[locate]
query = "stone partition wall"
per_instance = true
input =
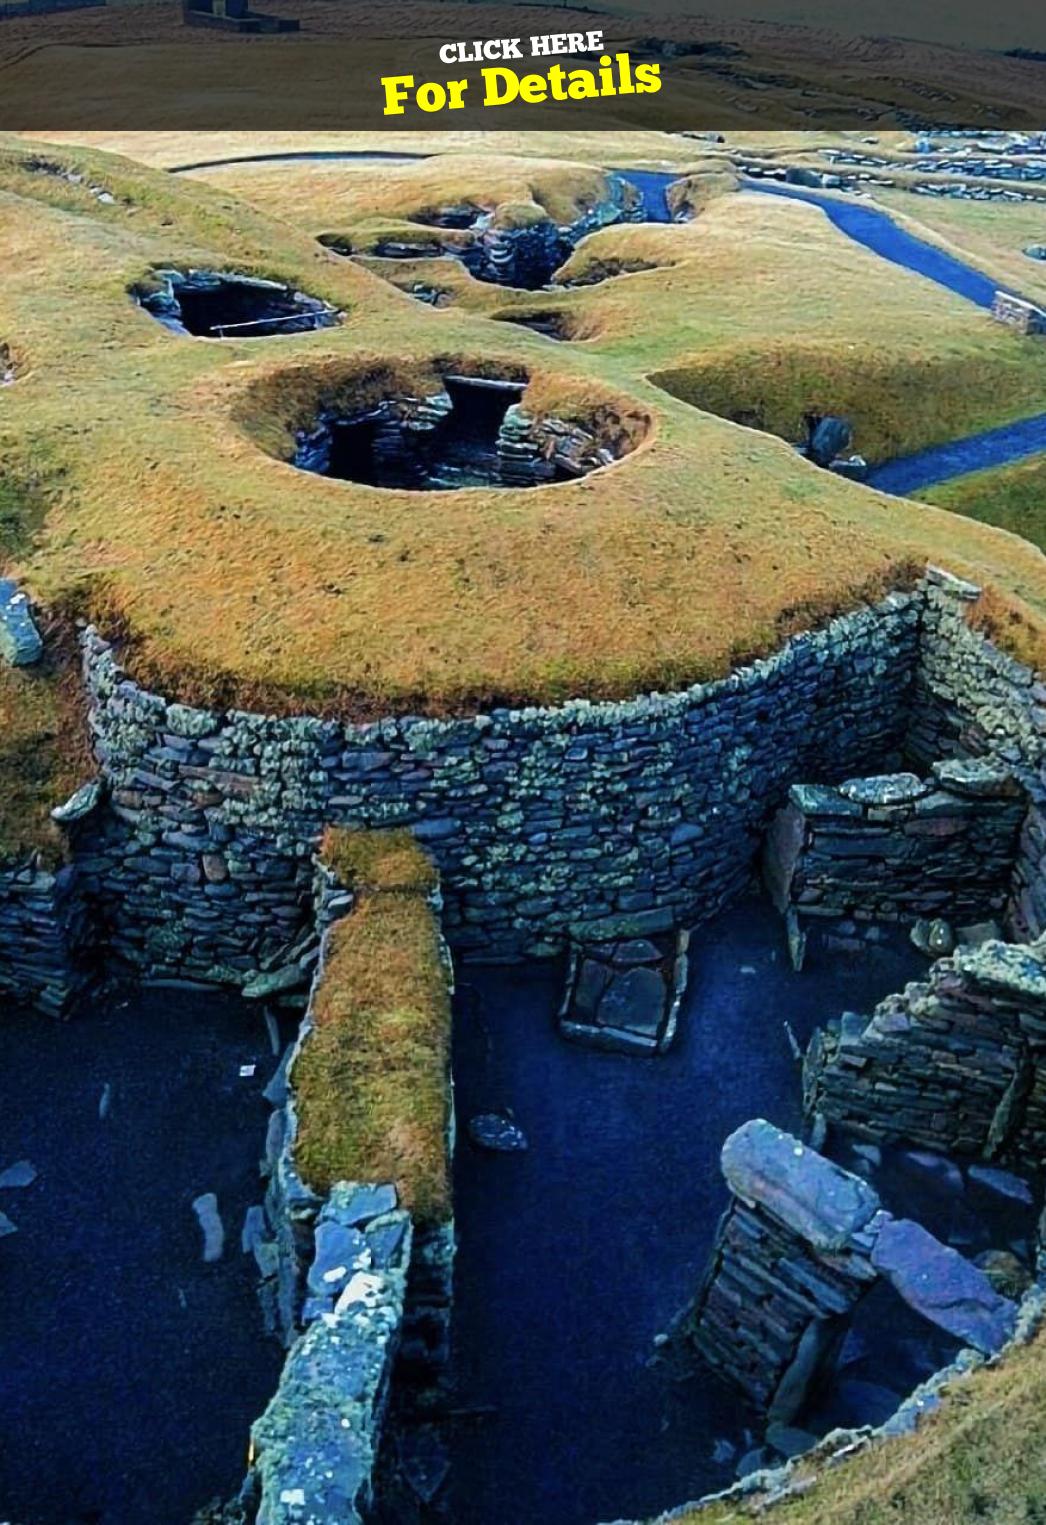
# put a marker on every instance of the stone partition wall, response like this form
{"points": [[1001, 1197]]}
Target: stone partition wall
{"points": [[898, 847], [956, 1064], [359, 1292], [314, 1450], [44, 935], [594, 819], [800, 1243]]}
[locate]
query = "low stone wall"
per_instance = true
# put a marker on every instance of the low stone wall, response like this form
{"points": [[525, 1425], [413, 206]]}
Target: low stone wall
{"points": [[354, 1286], [315, 1447], [800, 1243], [898, 847], [955, 1064], [594, 819], [44, 933], [1024, 316]]}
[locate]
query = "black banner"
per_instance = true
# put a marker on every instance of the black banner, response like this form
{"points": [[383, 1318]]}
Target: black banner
{"points": [[437, 65]]}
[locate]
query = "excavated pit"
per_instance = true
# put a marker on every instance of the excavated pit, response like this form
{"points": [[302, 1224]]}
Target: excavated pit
{"points": [[463, 430], [551, 323], [209, 304]]}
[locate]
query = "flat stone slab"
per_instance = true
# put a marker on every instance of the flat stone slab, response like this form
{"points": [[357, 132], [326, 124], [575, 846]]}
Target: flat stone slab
{"points": [[358, 1204], [978, 777], [206, 1209], [820, 1201], [818, 799], [884, 789], [6, 1226], [20, 641], [80, 804], [1002, 1182], [634, 1000], [490, 1130], [21, 1173], [942, 1285], [1011, 968]]}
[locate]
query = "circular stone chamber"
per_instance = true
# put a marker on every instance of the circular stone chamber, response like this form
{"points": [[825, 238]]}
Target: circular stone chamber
{"points": [[212, 304], [460, 429]]}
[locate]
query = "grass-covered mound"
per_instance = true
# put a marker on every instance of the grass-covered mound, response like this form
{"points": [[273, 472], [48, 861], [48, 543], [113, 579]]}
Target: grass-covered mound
{"points": [[981, 1456], [897, 402], [359, 208], [44, 756], [1011, 497], [234, 579], [372, 1078]]}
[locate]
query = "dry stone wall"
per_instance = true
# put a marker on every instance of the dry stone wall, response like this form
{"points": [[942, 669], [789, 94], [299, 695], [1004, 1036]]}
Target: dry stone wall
{"points": [[596, 819], [971, 700], [800, 1243], [956, 1064], [44, 931], [899, 847]]}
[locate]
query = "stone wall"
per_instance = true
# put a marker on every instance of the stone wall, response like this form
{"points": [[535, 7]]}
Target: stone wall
{"points": [[972, 700], [315, 1447], [899, 847], [800, 1243], [955, 1064], [591, 818], [44, 933], [1024, 316], [358, 1292]]}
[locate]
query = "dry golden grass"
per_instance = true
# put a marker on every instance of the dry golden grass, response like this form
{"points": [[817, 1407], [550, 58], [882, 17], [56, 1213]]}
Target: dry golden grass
{"points": [[44, 756], [323, 196], [371, 1079], [379, 861], [982, 1456], [237, 579]]}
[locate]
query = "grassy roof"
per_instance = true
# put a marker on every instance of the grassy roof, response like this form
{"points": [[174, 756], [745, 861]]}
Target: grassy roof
{"points": [[237, 579], [371, 1080], [981, 1456]]}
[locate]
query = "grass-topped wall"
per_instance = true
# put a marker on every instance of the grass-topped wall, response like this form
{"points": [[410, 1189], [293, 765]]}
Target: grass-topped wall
{"points": [[372, 1078]]}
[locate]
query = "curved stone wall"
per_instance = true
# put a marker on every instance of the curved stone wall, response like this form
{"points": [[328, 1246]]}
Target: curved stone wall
{"points": [[592, 818]]}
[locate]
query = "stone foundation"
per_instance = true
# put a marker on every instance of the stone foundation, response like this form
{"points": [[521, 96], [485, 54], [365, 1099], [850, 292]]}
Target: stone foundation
{"points": [[957, 1064]]}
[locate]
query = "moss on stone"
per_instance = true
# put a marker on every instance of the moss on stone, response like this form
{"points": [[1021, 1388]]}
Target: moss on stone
{"points": [[371, 1080]]}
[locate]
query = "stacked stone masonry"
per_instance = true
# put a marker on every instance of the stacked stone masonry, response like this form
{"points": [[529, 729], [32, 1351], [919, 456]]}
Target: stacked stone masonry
{"points": [[44, 932], [315, 1447], [591, 819], [800, 1243], [956, 1064], [971, 700], [899, 847], [588, 820]]}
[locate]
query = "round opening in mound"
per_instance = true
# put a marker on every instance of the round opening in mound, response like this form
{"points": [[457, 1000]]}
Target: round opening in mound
{"points": [[212, 304], [452, 427], [551, 322]]}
